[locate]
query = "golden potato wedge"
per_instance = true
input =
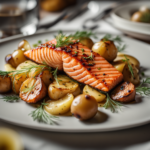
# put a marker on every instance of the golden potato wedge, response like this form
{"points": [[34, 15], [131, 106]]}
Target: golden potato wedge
{"points": [[18, 57], [128, 77], [132, 59], [84, 107], [33, 90], [9, 67], [60, 106], [66, 85], [17, 81], [106, 49], [96, 94], [24, 45], [5, 84]]}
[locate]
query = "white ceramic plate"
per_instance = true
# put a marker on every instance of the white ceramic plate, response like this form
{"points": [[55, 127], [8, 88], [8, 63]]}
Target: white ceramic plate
{"points": [[130, 116], [121, 19]]}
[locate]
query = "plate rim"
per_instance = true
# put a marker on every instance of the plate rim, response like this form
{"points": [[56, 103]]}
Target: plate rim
{"points": [[136, 124]]}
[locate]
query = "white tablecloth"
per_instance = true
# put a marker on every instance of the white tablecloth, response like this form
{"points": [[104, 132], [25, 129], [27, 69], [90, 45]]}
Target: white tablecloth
{"points": [[130, 139]]}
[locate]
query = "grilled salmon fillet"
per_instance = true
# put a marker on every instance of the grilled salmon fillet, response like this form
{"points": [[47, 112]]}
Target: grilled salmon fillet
{"points": [[79, 62]]}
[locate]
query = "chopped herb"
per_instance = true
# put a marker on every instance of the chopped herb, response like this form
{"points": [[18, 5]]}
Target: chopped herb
{"points": [[76, 52], [121, 48], [35, 45], [89, 57], [39, 42], [99, 68], [82, 49], [142, 73], [55, 75]]}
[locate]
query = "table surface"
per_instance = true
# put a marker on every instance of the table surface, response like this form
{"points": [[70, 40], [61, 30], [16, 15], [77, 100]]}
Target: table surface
{"points": [[130, 139]]}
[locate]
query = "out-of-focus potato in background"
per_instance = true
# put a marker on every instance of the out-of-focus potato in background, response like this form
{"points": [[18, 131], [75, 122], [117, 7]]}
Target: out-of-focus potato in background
{"points": [[10, 140], [56, 5]]}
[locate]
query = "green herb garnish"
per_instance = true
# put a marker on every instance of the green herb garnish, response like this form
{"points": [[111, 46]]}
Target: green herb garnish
{"points": [[35, 45], [82, 49], [113, 105], [99, 68], [129, 65], [142, 90], [121, 48], [63, 39], [55, 75], [41, 115], [10, 98]]}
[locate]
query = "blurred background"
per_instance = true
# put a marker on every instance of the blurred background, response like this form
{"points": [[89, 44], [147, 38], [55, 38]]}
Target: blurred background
{"points": [[28, 16]]}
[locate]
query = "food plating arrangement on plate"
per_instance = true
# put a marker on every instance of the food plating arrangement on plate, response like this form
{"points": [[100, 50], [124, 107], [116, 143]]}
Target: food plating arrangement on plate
{"points": [[71, 75]]}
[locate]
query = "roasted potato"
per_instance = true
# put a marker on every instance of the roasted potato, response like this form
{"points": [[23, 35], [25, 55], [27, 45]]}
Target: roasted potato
{"points": [[61, 106], [66, 85], [141, 17], [5, 84], [17, 81], [87, 42], [119, 65], [9, 67], [133, 60], [106, 49], [84, 107], [96, 94], [127, 76], [24, 64], [24, 45], [9, 59], [125, 92], [18, 57], [33, 90]]}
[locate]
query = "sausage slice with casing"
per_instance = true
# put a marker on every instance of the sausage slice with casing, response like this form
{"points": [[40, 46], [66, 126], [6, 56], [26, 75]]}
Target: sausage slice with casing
{"points": [[125, 92]]}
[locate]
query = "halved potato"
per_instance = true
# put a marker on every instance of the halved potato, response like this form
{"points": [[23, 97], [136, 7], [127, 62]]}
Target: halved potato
{"points": [[96, 94], [60, 106], [5, 84], [132, 59], [66, 85], [33, 90], [17, 81], [9, 67]]}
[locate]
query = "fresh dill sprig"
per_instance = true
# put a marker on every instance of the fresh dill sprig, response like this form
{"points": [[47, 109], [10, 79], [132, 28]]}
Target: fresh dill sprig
{"points": [[143, 90], [129, 65], [89, 57], [63, 39], [41, 115], [113, 105], [55, 75], [10, 98], [121, 48]]}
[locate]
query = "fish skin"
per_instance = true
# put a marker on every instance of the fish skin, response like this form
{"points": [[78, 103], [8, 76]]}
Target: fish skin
{"points": [[105, 78]]}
